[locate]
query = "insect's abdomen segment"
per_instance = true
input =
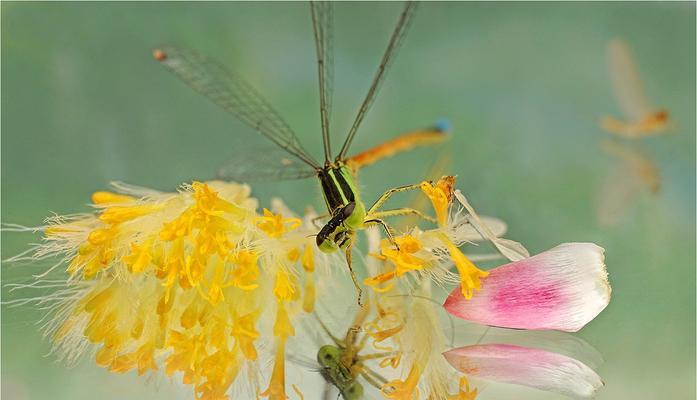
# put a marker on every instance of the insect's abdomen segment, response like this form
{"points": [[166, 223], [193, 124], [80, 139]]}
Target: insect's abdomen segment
{"points": [[337, 191]]}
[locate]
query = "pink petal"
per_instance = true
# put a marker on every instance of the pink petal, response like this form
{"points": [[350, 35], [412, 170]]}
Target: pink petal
{"points": [[526, 366], [563, 289]]}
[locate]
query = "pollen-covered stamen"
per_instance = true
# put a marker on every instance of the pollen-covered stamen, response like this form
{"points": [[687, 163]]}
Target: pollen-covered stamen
{"points": [[402, 258], [140, 257], [282, 330], [275, 225], [119, 214], [464, 392], [386, 325], [245, 333], [440, 195], [246, 272], [469, 273], [309, 293], [100, 198], [403, 389]]}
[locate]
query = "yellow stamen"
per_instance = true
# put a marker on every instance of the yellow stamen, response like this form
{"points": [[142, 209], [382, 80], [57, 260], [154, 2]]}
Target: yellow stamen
{"points": [[244, 331], [309, 294], [403, 259], [282, 327], [464, 393], [247, 271], [440, 195], [277, 386], [469, 273], [139, 258], [119, 214], [208, 201], [308, 259], [403, 390], [284, 288], [274, 225], [376, 280], [110, 197], [298, 392], [56, 230]]}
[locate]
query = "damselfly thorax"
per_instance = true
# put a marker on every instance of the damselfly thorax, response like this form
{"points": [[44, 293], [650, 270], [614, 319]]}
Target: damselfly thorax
{"points": [[346, 211]]}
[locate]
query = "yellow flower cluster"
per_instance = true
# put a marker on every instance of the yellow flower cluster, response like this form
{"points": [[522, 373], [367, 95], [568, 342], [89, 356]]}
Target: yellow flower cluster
{"points": [[192, 281], [412, 255], [199, 284]]}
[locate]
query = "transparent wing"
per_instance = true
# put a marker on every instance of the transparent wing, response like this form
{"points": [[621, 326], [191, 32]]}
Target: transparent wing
{"points": [[635, 172], [626, 83], [234, 95], [616, 195], [264, 164], [638, 162], [395, 41], [322, 16]]}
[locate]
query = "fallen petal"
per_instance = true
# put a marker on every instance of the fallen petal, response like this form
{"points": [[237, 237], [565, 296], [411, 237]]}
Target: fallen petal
{"points": [[562, 289], [526, 366]]}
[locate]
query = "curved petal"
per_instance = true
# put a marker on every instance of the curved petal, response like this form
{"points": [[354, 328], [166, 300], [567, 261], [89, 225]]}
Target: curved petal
{"points": [[562, 289], [526, 366]]}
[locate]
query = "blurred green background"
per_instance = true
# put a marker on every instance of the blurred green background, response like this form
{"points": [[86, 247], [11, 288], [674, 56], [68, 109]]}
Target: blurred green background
{"points": [[523, 84]]}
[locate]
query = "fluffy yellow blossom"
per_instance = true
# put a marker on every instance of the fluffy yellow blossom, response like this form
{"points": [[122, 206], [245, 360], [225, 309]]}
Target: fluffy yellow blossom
{"points": [[191, 283], [200, 285]]}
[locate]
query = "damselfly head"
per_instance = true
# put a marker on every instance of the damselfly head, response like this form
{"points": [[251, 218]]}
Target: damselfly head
{"points": [[328, 356]]}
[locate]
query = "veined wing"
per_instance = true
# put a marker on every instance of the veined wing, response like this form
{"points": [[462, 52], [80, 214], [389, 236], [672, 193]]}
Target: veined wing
{"points": [[626, 82], [264, 164], [395, 41], [322, 15], [234, 95]]}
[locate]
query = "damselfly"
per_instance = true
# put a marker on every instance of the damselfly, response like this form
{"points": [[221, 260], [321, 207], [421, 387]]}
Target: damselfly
{"points": [[640, 117], [337, 175], [342, 362]]}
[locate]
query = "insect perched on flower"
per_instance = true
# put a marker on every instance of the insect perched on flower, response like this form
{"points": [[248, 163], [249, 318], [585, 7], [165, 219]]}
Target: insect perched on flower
{"points": [[337, 175], [203, 285]]}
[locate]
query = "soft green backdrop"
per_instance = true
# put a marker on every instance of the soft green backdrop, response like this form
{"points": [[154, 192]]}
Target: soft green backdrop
{"points": [[83, 103]]}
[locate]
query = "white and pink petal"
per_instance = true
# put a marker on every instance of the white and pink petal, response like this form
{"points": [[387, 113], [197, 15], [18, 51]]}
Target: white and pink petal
{"points": [[526, 366], [563, 288]]}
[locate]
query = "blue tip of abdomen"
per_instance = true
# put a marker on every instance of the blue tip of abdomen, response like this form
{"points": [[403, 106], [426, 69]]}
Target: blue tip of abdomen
{"points": [[443, 125]]}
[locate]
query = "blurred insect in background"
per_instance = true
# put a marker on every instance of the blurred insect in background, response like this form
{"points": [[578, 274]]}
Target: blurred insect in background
{"points": [[347, 212], [635, 171], [641, 118]]}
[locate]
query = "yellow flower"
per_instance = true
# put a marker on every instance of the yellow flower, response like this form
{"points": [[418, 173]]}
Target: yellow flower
{"points": [[180, 282]]}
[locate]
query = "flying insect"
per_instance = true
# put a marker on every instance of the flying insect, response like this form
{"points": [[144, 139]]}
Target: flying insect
{"points": [[347, 213]]}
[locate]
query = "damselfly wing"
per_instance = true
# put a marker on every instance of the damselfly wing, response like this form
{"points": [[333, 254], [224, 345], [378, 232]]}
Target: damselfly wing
{"points": [[641, 118]]}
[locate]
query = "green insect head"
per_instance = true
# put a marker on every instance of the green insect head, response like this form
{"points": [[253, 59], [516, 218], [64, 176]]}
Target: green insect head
{"points": [[336, 373]]}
